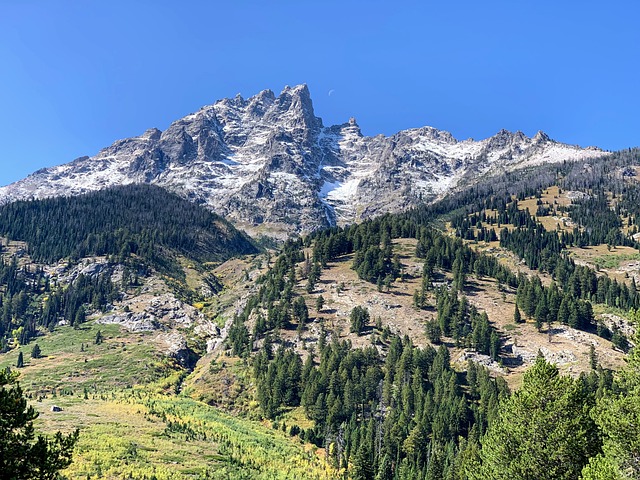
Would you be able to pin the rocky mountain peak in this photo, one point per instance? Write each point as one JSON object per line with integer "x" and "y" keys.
{"x": 541, "y": 137}
{"x": 268, "y": 164}
{"x": 349, "y": 129}
{"x": 266, "y": 95}
{"x": 258, "y": 104}
{"x": 505, "y": 138}
{"x": 294, "y": 106}
{"x": 296, "y": 90}
{"x": 297, "y": 97}
{"x": 519, "y": 136}
{"x": 151, "y": 134}
{"x": 437, "y": 135}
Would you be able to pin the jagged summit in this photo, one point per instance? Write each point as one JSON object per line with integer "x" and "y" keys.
{"x": 541, "y": 137}
{"x": 268, "y": 162}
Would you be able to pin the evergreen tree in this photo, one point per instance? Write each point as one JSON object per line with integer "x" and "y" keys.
{"x": 363, "y": 464}
{"x": 20, "y": 361}
{"x": 617, "y": 414}
{"x": 22, "y": 455}
{"x": 541, "y": 313}
{"x": 80, "y": 317}
{"x": 300, "y": 311}
{"x": 543, "y": 431}
{"x": 238, "y": 337}
{"x": 359, "y": 319}
{"x": 517, "y": 317}
{"x": 433, "y": 331}
{"x": 319, "y": 303}
{"x": 593, "y": 358}
{"x": 36, "y": 352}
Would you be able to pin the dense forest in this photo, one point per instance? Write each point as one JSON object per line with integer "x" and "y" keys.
{"x": 144, "y": 220}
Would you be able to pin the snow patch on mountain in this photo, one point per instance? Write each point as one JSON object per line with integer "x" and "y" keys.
{"x": 269, "y": 161}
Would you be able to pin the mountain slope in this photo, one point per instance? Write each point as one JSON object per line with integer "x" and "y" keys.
{"x": 140, "y": 219}
{"x": 350, "y": 345}
{"x": 270, "y": 161}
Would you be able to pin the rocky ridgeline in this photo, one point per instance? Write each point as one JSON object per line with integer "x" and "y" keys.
{"x": 269, "y": 161}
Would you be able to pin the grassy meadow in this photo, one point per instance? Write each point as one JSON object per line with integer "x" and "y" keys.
{"x": 121, "y": 394}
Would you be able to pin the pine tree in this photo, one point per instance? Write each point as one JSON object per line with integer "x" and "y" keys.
{"x": 80, "y": 317}
{"x": 541, "y": 313}
{"x": 311, "y": 285}
{"x": 319, "y": 303}
{"x": 362, "y": 464}
{"x": 35, "y": 351}
{"x": 618, "y": 416}
{"x": 563, "y": 311}
{"x": 238, "y": 337}
{"x": 359, "y": 319}
{"x": 494, "y": 350}
{"x": 593, "y": 358}
{"x": 420, "y": 297}
{"x": 434, "y": 333}
{"x": 22, "y": 455}
{"x": 20, "y": 361}
{"x": 543, "y": 431}
{"x": 517, "y": 317}
{"x": 300, "y": 311}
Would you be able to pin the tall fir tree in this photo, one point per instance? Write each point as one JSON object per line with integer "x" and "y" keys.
{"x": 22, "y": 454}
{"x": 542, "y": 432}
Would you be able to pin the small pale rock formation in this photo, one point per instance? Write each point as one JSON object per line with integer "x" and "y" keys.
{"x": 157, "y": 312}
{"x": 175, "y": 346}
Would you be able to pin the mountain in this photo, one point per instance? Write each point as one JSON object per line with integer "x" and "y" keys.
{"x": 270, "y": 165}
{"x": 396, "y": 338}
{"x": 145, "y": 220}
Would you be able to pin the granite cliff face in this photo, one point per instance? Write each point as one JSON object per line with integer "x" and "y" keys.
{"x": 269, "y": 165}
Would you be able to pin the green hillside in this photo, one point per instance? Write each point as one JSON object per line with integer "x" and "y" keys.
{"x": 490, "y": 335}
{"x": 133, "y": 219}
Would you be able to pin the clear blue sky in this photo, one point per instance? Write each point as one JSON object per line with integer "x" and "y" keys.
{"x": 77, "y": 75}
